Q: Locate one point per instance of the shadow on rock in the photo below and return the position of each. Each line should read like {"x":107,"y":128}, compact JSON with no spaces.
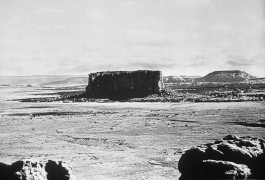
{"x":57,"y":170}
{"x":230,"y":158}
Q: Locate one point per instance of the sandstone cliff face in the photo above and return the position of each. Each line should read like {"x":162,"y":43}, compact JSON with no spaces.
{"x":124,"y":84}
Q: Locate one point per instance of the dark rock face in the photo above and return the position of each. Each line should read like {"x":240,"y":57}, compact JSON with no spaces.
{"x":124,"y":84}
{"x":58,"y":170}
{"x":35,"y":170}
{"x":230,"y":158}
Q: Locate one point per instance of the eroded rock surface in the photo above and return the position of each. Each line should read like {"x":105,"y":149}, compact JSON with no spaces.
{"x":212,"y":169}
{"x":230,"y":158}
{"x":36,"y":170}
{"x":124,"y":84}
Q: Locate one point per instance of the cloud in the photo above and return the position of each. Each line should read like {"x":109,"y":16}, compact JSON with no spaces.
{"x":129,"y":3}
{"x":145,"y":37}
{"x":6,"y":48}
{"x":237,"y":63}
{"x":154,"y":65}
{"x":153,"y":38}
{"x":93,"y":67}
{"x":195,"y":37}
{"x":96,"y":15}
{"x":118,"y":64}
{"x":46,"y":10}
{"x":194,"y":3}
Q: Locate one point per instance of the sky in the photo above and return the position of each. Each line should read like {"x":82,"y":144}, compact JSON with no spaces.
{"x":178,"y":37}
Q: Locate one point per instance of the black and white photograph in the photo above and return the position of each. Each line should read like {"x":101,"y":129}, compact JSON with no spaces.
{"x":132,"y":89}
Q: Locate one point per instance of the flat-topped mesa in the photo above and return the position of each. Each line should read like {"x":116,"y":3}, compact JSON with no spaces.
{"x":226,"y":76}
{"x":124,"y":84}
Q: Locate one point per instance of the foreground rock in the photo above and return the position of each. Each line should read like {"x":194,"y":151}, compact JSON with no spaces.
{"x":230,"y":158}
{"x":212,"y":169}
{"x":35,"y":170}
{"x":124,"y":84}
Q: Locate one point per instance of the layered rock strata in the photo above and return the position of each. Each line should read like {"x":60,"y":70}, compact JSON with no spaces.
{"x":230,"y":158}
{"x":124,"y":84}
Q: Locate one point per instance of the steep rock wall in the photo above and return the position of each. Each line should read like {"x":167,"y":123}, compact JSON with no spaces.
{"x":124,"y":84}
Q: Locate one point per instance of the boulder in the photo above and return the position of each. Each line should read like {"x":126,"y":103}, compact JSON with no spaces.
{"x":58,"y":170}
{"x":239,"y":154}
{"x":27,"y":169}
{"x":191,"y":162}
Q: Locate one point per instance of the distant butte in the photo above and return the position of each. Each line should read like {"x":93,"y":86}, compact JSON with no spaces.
{"x":226,"y":76}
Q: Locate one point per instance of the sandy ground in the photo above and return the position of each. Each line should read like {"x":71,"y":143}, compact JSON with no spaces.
{"x":119,"y":141}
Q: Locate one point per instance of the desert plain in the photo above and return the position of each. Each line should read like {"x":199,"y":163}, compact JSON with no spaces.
{"x":118,"y":140}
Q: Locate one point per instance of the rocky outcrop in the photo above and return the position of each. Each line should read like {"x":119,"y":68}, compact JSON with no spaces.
{"x":179,"y":79}
{"x":124,"y":84}
{"x":36,"y":170}
{"x":226,"y":76}
{"x":230,"y":158}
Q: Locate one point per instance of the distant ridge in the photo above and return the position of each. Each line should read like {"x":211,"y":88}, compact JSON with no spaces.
{"x":33,"y":80}
{"x":69,"y":81}
{"x":226,"y":76}
{"x":45,"y":80}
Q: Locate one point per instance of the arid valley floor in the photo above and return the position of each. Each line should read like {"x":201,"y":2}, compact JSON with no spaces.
{"x":120,"y":140}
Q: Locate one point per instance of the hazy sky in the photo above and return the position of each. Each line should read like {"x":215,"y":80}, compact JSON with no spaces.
{"x":178,"y":37}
